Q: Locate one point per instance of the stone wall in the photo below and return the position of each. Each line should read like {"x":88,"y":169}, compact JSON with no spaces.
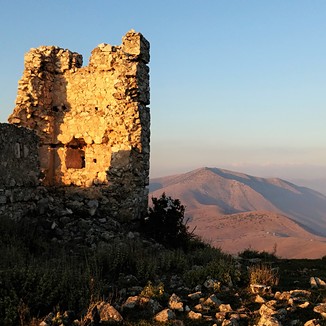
{"x":93,"y":122}
{"x":19,"y":170}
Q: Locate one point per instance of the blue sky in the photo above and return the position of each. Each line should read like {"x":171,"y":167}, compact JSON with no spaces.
{"x":234,"y":84}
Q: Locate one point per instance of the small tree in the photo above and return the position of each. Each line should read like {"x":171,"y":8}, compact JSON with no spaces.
{"x":165,"y":222}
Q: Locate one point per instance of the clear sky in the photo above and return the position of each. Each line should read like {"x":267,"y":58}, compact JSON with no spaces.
{"x":234,"y":84}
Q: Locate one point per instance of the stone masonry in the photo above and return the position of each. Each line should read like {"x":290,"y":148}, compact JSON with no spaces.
{"x":18,"y":152}
{"x":93,"y":122}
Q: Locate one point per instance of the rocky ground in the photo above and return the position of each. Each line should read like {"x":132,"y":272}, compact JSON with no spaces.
{"x":299,"y":299}
{"x":107,"y":280}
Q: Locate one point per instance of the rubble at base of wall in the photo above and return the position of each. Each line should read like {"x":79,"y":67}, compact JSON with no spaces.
{"x":16,"y":203}
{"x":83,"y":217}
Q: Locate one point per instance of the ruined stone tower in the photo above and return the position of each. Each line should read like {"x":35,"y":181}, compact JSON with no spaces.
{"x":93,"y":122}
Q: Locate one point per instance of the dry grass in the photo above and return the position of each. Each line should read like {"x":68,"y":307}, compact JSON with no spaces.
{"x":263,"y":274}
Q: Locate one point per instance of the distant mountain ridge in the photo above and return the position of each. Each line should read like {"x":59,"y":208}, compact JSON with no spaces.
{"x":211,"y":194}
{"x":316,"y":184}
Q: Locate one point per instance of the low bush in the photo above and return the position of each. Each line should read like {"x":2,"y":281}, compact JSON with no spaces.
{"x":166,"y":223}
{"x":223,"y":270}
{"x":263,"y":255}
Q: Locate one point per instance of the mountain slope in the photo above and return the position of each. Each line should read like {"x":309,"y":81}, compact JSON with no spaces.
{"x":213,"y":196}
{"x":259,"y":231}
{"x":233,"y":192}
{"x":316,"y":184}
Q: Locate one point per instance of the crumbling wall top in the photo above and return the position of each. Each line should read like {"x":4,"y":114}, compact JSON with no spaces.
{"x":51,"y":59}
{"x":136,"y":44}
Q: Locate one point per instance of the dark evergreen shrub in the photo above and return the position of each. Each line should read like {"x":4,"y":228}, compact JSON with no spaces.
{"x":166,"y":223}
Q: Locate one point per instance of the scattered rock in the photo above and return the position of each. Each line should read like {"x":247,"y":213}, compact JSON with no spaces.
{"x":194,"y":315}
{"x":266,"y":310}
{"x":175,"y":303}
{"x":44,"y":323}
{"x":312,"y":322}
{"x":220,"y":316}
{"x":102,"y":312}
{"x":199,"y":307}
{"x":259,"y":299}
{"x":131,"y":303}
{"x":316,"y":282}
{"x":304,"y":305}
{"x":212,"y":301}
{"x":267,"y":320}
{"x":231,"y":322}
{"x":195,"y":296}
{"x":260,"y":289}
{"x":165,"y":315}
{"x":108,"y":313}
{"x":225,"y":307}
{"x":321,"y":309}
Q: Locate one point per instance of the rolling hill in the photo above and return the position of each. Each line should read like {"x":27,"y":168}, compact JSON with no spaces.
{"x":236,"y":211}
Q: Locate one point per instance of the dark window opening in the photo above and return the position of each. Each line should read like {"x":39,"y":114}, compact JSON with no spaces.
{"x":75,"y":154}
{"x":75,"y":158}
{"x":95,"y":160}
{"x":56,"y":145}
{"x":96,"y":108}
{"x":59,"y":108}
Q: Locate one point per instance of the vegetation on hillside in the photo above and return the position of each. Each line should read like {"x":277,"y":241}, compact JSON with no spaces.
{"x":38,"y":276}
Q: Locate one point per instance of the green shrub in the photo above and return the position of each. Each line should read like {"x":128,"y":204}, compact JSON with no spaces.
{"x":166,"y":223}
{"x":41,"y":286}
{"x":222,"y":269}
{"x":204,"y":254}
{"x":264,"y":255}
